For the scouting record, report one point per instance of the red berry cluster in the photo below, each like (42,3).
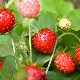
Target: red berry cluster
(43,41)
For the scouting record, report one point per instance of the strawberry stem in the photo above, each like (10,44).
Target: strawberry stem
(13,45)
(28,24)
(9,3)
(34,27)
(70,34)
(14,51)
(30,41)
(51,56)
(17,61)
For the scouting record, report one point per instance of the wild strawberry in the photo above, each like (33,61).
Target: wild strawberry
(29,8)
(77,54)
(44,41)
(7,21)
(64,23)
(1,64)
(64,62)
(35,73)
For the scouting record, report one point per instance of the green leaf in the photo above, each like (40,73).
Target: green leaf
(13,9)
(66,7)
(46,20)
(5,50)
(60,7)
(40,57)
(75,76)
(69,42)
(25,23)
(51,5)
(17,30)
(20,52)
(5,39)
(75,19)
(8,68)
(56,76)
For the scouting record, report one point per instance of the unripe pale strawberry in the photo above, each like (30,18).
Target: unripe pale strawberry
(64,23)
(29,8)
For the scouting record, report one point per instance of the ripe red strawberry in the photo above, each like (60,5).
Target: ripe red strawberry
(7,21)
(1,64)
(77,54)
(44,41)
(29,8)
(64,62)
(35,73)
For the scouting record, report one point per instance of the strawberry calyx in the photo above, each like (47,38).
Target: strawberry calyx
(61,51)
(28,62)
(9,9)
(2,7)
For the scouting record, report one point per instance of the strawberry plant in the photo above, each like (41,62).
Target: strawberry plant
(38,40)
